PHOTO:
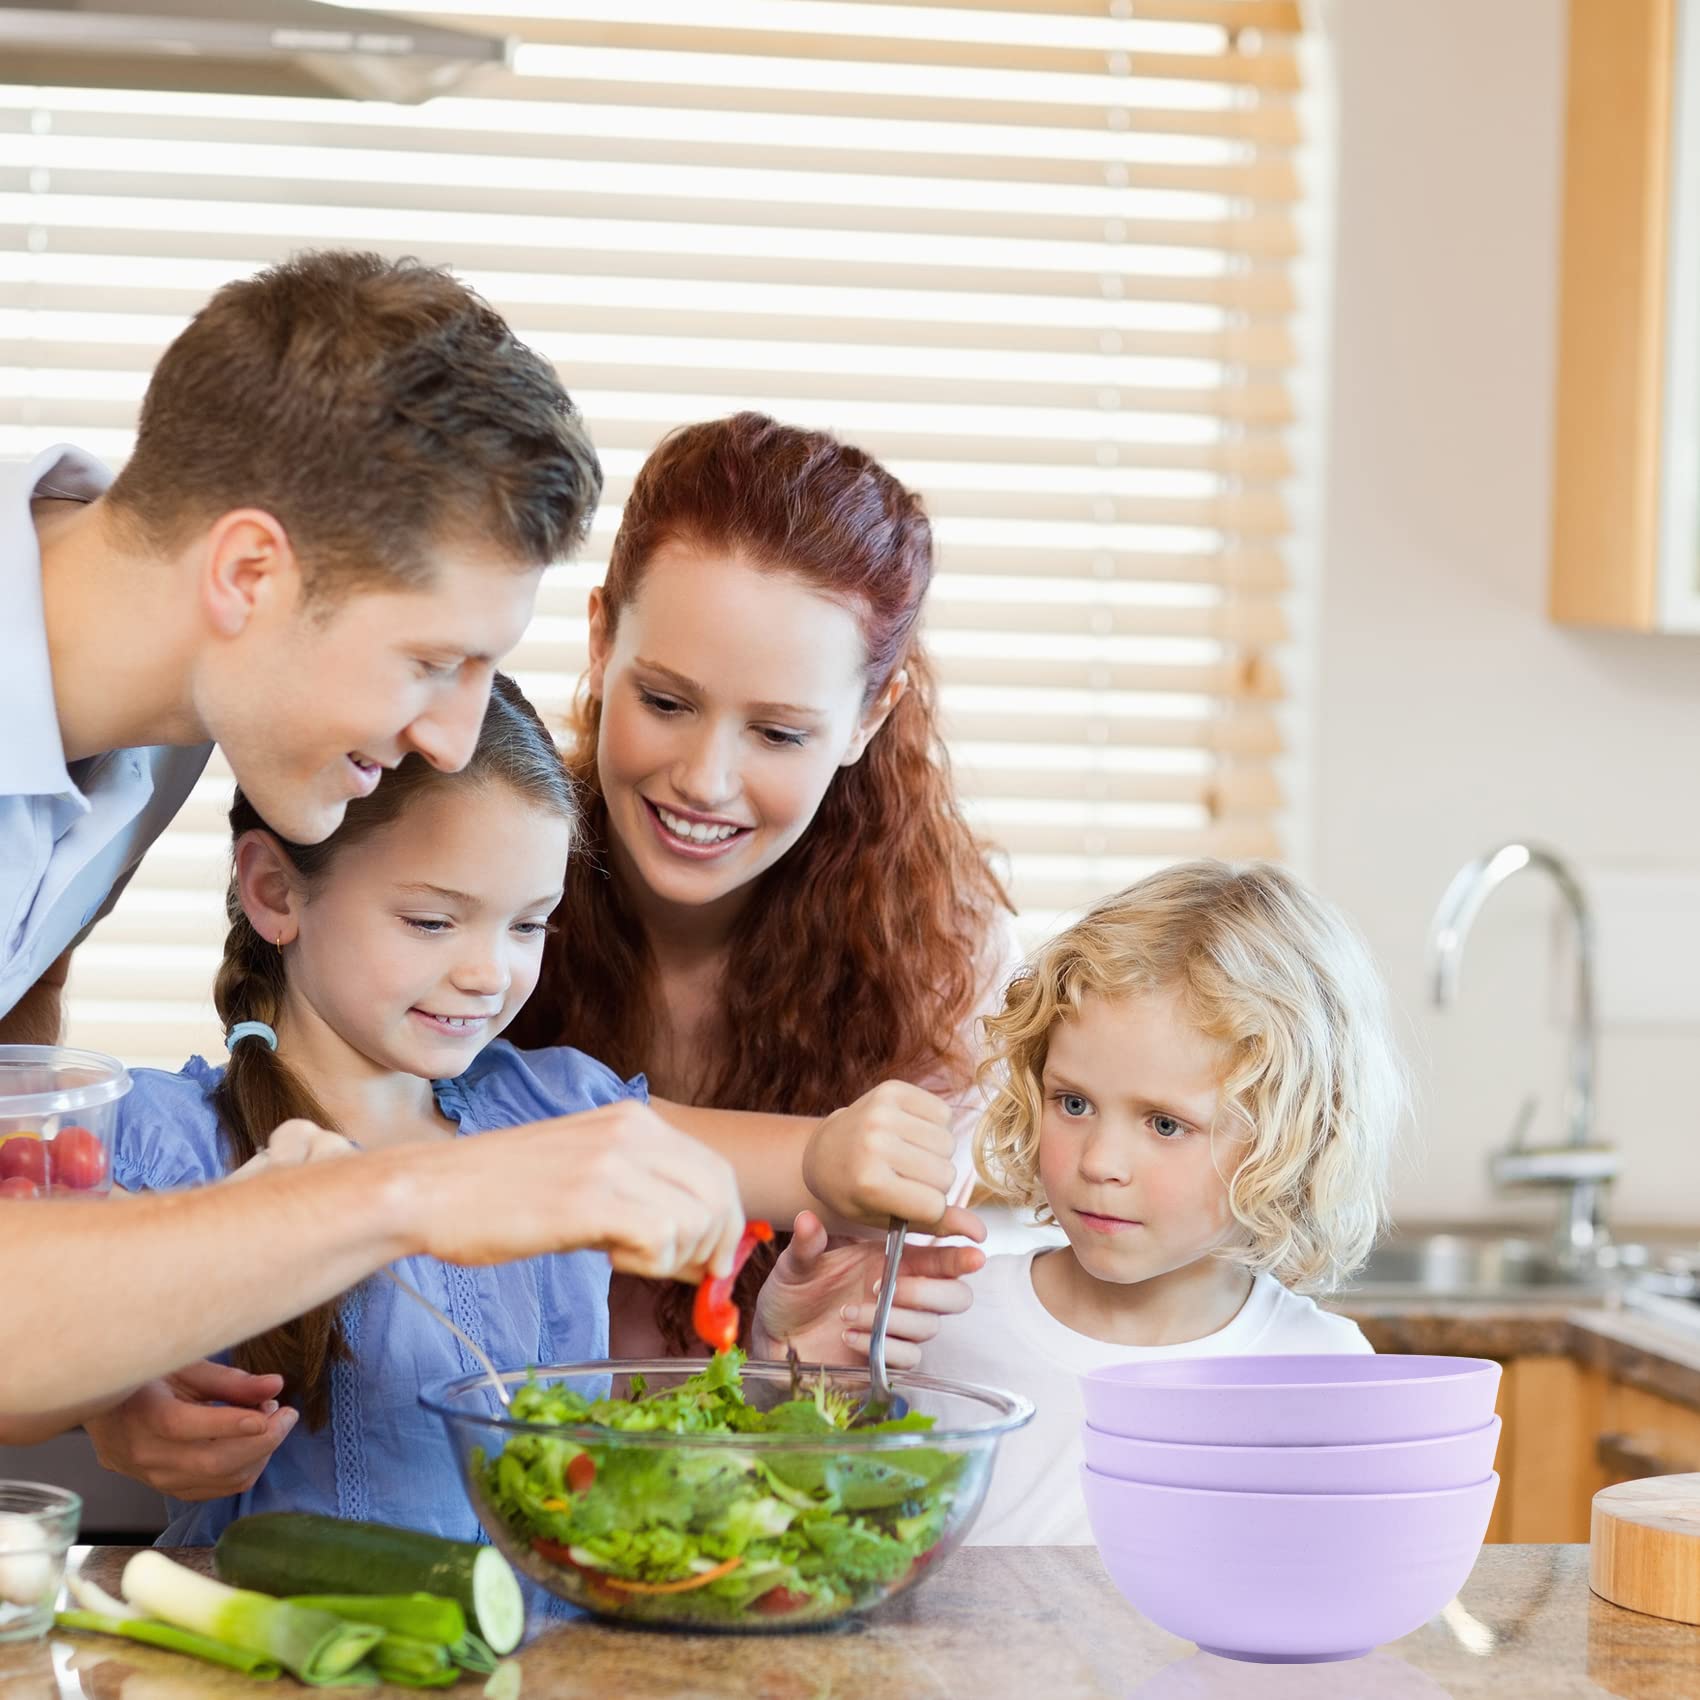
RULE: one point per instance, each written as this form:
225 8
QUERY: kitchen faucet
1579 1165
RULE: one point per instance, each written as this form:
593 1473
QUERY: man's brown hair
374 408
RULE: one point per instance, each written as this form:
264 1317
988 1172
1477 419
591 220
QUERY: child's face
421 942
730 697
311 704
1132 1090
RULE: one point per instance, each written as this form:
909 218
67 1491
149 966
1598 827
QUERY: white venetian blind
1036 254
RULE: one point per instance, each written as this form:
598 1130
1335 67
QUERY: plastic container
58 1111
1286 1578
38 1523
1303 1400
930 1482
1392 1466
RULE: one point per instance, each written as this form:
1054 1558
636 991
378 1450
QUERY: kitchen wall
1449 713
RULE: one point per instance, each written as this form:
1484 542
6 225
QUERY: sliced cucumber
299 1552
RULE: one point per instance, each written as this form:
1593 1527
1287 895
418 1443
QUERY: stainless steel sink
1446 1265
1488 1264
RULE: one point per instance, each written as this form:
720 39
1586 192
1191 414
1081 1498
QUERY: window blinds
1038 255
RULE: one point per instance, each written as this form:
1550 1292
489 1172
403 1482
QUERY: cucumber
299 1552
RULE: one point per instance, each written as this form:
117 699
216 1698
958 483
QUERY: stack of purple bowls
1290 1509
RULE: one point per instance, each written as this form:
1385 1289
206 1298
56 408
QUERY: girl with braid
364 985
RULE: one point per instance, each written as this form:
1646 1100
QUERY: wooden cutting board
1644 1546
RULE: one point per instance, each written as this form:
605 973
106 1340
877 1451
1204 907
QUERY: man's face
312 699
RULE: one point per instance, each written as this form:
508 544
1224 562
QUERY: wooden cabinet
1570 1431
1626 471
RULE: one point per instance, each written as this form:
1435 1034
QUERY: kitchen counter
1643 1351
1010 1621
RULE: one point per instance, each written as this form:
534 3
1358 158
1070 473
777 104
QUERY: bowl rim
1014 1409
1088 1475
111 1083
1127 1374
1193 1447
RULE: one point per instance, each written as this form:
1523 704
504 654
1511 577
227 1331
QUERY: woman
779 903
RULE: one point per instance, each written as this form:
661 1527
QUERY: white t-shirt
1010 1340
70 835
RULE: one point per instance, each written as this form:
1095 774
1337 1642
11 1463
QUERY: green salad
722 1536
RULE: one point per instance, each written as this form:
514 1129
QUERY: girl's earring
280 941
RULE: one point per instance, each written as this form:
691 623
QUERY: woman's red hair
859 956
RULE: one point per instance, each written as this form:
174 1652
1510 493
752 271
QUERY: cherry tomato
17 1186
23 1156
776 1602
79 1159
581 1472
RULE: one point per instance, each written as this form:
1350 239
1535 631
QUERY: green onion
412 1663
315 1645
426 1617
156 1634
472 1652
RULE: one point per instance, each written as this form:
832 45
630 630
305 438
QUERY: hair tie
245 1029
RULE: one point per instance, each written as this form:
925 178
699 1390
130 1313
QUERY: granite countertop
1009 1621
1624 1344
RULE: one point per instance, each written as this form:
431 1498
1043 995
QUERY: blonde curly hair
1315 1085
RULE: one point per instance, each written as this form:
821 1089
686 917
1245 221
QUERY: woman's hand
819 1300
889 1154
203 1433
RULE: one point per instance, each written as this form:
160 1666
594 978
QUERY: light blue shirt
381 1457
70 834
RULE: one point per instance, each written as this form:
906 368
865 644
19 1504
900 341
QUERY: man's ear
876 715
270 888
601 642
248 567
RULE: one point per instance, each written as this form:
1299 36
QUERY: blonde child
1197 1084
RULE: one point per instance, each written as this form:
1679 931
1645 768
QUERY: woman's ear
878 712
269 887
601 642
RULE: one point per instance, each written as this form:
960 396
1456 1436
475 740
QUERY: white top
1010 1340
70 835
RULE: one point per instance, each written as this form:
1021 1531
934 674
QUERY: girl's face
1132 1090
419 944
730 698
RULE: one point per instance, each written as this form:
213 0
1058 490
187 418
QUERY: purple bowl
1334 1400
1391 1466
1285 1578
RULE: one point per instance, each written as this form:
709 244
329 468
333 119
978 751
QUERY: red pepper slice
714 1316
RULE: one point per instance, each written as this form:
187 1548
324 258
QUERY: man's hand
889 1154
203 1433
616 1179
819 1300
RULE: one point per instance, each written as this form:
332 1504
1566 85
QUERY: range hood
276 47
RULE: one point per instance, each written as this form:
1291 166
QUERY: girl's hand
889 1154
819 1300
293 1143
203 1433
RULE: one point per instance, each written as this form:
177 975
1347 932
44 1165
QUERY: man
348 479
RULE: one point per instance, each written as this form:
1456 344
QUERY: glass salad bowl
722 1495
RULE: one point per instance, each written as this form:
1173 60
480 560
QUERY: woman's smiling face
730 697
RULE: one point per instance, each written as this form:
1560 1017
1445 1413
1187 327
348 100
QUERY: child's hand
203 1433
293 1143
819 1300
889 1154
